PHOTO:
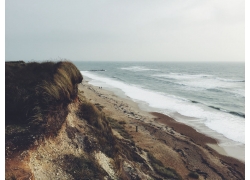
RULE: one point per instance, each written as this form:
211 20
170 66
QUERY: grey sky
141 30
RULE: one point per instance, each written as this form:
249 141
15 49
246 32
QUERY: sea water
208 96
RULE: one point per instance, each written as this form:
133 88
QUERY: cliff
55 132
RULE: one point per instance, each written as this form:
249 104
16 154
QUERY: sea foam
138 68
204 81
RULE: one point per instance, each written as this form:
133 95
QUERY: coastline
221 147
171 141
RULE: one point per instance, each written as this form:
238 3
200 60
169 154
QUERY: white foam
203 81
183 76
230 80
230 126
138 68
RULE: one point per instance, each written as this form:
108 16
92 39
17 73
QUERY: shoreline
234 151
179 146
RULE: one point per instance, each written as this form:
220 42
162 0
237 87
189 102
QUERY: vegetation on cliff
36 99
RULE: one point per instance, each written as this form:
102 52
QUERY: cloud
125 30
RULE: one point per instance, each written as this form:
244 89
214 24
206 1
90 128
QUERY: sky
111 30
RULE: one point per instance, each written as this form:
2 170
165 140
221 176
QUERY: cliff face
54 132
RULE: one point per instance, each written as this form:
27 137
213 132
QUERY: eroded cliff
54 132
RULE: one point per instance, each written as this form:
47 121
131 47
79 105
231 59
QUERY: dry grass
119 126
63 86
100 128
36 97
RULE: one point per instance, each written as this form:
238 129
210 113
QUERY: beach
175 144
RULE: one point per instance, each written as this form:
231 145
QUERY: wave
97 70
237 114
115 77
229 125
195 81
194 101
220 109
217 108
214 90
236 91
138 68
230 80
231 112
195 76
181 76
204 82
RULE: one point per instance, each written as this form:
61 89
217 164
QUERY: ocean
208 96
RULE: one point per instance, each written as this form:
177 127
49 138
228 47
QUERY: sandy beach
177 145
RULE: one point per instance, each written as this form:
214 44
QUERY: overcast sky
131 30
